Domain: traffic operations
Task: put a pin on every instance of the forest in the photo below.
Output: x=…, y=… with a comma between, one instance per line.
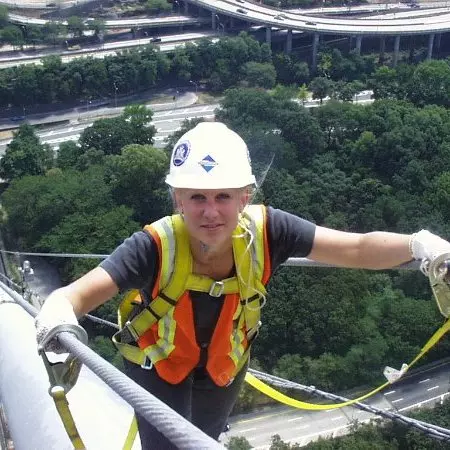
x=379, y=166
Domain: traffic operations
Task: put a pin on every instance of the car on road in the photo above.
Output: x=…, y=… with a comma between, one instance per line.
x=242, y=11
x=226, y=427
x=17, y=118
x=240, y=1
x=155, y=39
x=311, y=23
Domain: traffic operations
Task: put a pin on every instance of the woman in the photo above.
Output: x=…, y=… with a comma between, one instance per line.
x=201, y=277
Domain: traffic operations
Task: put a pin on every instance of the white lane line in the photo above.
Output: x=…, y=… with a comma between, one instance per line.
x=295, y=418
x=302, y=427
x=433, y=388
x=389, y=393
x=338, y=418
x=247, y=429
x=424, y=381
x=397, y=400
x=329, y=410
x=441, y=397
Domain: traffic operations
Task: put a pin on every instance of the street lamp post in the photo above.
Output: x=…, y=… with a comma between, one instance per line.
x=195, y=84
x=115, y=94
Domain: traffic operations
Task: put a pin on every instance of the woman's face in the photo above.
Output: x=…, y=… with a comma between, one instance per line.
x=211, y=215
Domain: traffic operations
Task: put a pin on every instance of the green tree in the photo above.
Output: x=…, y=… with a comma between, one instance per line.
x=259, y=74
x=136, y=178
x=157, y=6
x=68, y=155
x=139, y=117
x=431, y=83
x=320, y=87
x=75, y=25
x=303, y=93
x=25, y=155
x=238, y=443
x=12, y=35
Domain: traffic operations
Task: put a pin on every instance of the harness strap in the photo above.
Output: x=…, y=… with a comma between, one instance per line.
x=62, y=406
x=282, y=398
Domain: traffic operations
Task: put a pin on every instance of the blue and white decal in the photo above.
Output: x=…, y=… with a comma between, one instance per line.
x=208, y=163
x=181, y=153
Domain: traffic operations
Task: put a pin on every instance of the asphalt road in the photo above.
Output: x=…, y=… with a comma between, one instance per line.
x=167, y=118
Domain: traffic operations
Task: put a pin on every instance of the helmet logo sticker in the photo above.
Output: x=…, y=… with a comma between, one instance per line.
x=208, y=163
x=181, y=153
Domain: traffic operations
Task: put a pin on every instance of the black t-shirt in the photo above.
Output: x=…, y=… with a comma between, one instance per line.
x=134, y=264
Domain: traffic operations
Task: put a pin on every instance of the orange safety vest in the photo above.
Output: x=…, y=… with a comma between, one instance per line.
x=165, y=332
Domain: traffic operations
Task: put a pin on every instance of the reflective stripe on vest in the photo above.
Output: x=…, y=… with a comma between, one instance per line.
x=165, y=331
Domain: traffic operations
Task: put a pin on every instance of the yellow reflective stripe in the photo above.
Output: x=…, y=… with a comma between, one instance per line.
x=276, y=395
x=131, y=436
x=165, y=233
x=62, y=406
x=236, y=340
x=164, y=346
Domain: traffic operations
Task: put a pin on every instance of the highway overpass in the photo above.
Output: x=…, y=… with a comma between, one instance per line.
x=433, y=25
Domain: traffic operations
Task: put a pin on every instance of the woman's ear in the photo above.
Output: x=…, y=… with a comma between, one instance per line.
x=178, y=200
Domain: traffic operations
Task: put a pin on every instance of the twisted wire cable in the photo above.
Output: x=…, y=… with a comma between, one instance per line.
x=431, y=430
x=412, y=265
x=175, y=427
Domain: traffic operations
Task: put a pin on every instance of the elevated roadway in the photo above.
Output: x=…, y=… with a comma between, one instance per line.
x=260, y=14
x=148, y=22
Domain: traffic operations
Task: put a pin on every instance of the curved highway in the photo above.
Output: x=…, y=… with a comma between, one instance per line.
x=259, y=14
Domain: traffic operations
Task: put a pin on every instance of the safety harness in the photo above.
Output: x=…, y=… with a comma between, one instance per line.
x=252, y=264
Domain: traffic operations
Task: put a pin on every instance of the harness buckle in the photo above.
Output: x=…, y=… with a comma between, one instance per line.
x=148, y=365
x=217, y=289
x=131, y=330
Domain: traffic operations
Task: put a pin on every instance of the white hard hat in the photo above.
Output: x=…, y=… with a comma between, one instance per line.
x=210, y=156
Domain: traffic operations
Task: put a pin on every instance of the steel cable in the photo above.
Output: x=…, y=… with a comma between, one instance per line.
x=175, y=427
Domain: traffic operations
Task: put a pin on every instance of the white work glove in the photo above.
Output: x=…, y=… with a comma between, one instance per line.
x=56, y=315
x=426, y=246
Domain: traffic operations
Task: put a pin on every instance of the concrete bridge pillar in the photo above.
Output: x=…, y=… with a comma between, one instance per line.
x=382, y=48
x=358, y=44
x=396, y=49
x=315, y=49
x=186, y=7
x=289, y=42
x=213, y=20
x=430, y=46
x=438, y=42
x=269, y=36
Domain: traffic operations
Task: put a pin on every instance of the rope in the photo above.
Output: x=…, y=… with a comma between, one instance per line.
x=412, y=265
x=175, y=427
x=429, y=429
x=102, y=321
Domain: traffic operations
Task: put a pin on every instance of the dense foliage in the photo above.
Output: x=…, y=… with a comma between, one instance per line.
x=381, y=166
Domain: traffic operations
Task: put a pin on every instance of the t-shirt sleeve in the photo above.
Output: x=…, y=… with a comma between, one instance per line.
x=288, y=235
x=134, y=263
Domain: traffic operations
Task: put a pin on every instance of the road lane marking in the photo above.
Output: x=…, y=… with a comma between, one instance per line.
x=295, y=418
x=247, y=429
x=433, y=388
x=389, y=393
x=397, y=400
x=424, y=381
x=424, y=401
x=302, y=427
x=338, y=418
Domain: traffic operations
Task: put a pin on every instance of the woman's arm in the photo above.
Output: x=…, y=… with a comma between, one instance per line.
x=375, y=250
x=88, y=292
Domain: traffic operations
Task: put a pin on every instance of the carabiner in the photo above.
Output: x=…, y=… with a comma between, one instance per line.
x=438, y=274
